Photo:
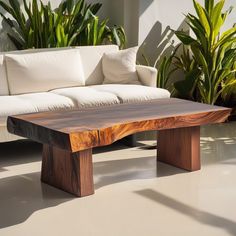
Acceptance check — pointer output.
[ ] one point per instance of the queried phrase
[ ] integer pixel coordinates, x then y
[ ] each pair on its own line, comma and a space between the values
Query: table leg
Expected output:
180, 147
71, 172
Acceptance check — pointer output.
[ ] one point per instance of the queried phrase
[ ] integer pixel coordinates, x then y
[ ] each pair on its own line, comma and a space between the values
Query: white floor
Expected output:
134, 196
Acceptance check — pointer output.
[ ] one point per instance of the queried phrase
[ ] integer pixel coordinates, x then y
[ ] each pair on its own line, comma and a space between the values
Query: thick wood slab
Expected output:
71, 172
82, 129
180, 147
69, 136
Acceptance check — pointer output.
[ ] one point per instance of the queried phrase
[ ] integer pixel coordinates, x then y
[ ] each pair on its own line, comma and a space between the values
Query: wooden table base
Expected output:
67, 162
71, 172
180, 147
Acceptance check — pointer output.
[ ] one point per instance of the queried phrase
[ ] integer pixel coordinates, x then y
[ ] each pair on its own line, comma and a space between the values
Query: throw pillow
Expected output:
120, 67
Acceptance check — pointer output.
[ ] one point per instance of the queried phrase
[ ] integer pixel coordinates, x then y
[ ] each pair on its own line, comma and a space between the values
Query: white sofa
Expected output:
19, 94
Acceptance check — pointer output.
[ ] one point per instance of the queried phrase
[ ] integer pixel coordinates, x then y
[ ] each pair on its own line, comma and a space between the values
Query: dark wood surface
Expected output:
180, 147
71, 172
78, 130
69, 136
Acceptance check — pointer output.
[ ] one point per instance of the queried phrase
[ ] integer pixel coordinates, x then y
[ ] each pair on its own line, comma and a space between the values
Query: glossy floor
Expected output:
134, 196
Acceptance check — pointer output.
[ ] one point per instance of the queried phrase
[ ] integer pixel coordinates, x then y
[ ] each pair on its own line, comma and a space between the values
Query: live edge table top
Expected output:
76, 130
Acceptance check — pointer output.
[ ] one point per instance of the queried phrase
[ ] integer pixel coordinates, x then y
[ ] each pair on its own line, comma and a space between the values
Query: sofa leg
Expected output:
130, 141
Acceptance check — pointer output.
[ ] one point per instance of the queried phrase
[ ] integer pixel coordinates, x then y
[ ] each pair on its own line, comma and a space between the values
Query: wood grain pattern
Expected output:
71, 172
69, 137
82, 129
180, 147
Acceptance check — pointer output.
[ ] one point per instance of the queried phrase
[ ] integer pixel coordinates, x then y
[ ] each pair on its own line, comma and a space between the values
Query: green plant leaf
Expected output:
227, 35
184, 38
7, 8
73, 22
187, 86
216, 18
203, 17
200, 58
212, 53
16, 42
209, 4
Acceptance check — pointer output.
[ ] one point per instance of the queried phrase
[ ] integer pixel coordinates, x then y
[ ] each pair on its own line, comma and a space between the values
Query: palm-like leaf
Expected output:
213, 53
72, 23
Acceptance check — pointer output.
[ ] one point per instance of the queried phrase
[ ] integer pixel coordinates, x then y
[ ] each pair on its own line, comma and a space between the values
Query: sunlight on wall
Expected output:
157, 17
144, 20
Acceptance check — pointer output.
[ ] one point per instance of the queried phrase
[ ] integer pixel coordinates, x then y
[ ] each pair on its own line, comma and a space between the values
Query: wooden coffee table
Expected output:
69, 136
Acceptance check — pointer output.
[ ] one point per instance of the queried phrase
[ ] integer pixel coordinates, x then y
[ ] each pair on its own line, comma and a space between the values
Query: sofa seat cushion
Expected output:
5, 136
88, 96
30, 103
132, 93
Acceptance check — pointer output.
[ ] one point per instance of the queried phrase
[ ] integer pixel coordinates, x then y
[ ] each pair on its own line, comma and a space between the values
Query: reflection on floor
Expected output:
134, 194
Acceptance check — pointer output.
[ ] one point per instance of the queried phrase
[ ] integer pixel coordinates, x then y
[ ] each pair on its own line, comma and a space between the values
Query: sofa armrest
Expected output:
147, 75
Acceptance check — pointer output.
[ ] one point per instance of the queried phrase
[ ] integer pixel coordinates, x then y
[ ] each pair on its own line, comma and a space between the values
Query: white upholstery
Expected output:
147, 75
5, 136
120, 67
47, 101
43, 71
133, 93
88, 96
3, 78
34, 102
91, 57
29, 103
58, 80
12, 105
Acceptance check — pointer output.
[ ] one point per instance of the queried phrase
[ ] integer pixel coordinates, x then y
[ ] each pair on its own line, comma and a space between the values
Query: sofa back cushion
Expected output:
120, 67
3, 78
41, 71
91, 57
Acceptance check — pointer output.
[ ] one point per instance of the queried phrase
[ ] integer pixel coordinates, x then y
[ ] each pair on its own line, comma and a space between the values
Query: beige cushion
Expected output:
5, 136
28, 103
120, 67
48, 101
13, 105
3, 78
88, 96
133, 93
91, 57
147, 75
43, 71
35, 102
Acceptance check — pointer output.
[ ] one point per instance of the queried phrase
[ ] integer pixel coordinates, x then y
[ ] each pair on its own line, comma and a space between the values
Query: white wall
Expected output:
145, 21
156, 16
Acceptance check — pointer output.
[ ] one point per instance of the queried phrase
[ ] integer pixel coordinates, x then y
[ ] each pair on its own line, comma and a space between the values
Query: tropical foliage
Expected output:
165, 68
210, 55
72, 23
187, 88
